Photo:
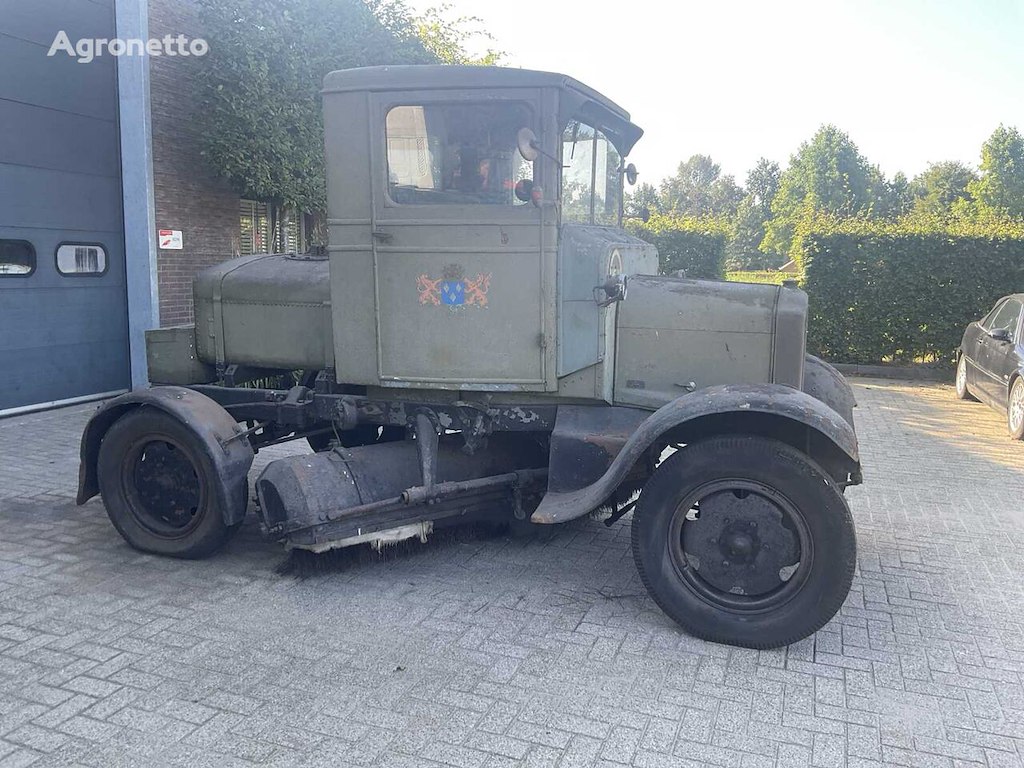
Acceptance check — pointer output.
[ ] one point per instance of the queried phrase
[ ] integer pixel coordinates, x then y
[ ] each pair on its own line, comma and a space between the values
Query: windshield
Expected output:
591, 176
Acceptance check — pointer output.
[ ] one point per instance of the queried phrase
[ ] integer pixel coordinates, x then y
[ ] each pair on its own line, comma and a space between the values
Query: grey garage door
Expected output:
63, 306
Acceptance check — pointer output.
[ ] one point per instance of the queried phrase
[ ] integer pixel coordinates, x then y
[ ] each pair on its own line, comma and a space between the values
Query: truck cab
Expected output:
467, 243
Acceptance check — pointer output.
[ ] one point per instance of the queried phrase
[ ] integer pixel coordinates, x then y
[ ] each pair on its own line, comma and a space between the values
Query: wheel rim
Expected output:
740, 546
1017, 406
961, 375
164, 489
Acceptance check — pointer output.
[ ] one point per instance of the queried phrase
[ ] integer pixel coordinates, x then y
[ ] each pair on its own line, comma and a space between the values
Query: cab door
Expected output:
463, 259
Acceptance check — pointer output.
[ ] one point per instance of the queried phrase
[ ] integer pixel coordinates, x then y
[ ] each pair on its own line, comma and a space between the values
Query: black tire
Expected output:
139, 456
1015, 410
962, 391
803, 515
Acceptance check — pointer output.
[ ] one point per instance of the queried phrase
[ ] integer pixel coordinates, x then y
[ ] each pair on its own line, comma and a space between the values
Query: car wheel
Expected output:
962, 392
744, 540
1015, 410
157, 486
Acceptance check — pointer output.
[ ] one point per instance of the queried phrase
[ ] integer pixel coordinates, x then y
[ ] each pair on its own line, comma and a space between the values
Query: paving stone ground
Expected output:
502, 652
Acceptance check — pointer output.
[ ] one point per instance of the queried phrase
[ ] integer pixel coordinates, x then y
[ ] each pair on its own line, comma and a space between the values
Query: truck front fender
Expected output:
824, 382
770, 410
217, 434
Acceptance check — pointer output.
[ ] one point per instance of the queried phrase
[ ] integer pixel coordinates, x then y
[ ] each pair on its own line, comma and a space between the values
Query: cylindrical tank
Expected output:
326, 497
266, 311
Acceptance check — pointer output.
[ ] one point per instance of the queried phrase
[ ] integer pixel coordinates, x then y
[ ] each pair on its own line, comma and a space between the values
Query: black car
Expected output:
990, 366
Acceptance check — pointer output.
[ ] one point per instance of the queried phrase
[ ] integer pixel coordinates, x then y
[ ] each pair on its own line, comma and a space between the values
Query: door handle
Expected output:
381, 236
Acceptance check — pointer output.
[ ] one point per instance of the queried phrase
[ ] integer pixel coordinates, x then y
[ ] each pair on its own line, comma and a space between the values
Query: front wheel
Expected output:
158, 486
1015, 410
744, 540
962, 392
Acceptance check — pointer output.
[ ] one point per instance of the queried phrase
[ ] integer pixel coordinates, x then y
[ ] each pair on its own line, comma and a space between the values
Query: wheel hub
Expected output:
740, 543
167, 487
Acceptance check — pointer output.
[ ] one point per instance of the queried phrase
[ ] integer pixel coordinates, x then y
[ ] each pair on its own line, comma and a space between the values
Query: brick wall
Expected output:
189, 195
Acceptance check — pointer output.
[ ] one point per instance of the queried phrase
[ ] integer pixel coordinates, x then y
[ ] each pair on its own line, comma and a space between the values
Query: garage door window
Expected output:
17, 258
81, 259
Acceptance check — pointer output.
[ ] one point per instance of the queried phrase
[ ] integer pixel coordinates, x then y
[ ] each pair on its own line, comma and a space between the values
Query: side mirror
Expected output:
631, 174
1000, 334
526, 142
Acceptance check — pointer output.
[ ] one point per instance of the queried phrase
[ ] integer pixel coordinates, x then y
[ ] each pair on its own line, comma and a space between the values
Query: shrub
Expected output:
694, 245
767, 276
904, 291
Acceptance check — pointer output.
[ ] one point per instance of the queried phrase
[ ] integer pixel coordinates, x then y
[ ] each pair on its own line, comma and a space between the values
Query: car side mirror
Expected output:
1000, 334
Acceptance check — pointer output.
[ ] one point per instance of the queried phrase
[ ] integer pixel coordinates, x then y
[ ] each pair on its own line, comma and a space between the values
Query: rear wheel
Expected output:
158, 487
962, 392
1015, 410
745, 541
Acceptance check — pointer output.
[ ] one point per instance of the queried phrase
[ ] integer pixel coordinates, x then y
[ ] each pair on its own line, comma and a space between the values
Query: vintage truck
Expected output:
482, 340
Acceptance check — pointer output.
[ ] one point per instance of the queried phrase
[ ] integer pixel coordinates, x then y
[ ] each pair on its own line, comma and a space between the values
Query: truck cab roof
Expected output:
579, 98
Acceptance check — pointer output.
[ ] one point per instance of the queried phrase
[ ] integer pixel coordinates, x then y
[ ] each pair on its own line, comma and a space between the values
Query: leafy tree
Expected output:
1000, 189
895, 198
827, 174
261, 115
940, 186
644, 196
752, 216
446, 38
699, 189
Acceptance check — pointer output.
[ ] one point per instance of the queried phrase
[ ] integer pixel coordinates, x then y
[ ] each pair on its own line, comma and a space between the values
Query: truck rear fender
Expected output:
216, 432
769, 410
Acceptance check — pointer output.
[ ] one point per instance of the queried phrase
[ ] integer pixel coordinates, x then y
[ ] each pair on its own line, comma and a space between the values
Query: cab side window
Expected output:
457, 154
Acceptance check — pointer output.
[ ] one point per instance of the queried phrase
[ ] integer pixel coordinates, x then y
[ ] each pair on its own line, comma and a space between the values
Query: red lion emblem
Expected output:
476, 290
430, 290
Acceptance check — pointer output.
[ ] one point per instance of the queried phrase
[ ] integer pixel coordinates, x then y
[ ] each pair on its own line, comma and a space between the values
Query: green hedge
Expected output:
904, 291
694, 245
767, 276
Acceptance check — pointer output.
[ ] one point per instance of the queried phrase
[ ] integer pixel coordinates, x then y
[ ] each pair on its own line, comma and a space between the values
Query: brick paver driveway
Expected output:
474, 652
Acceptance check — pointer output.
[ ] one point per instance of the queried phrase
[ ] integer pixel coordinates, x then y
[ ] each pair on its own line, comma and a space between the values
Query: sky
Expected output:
911, 81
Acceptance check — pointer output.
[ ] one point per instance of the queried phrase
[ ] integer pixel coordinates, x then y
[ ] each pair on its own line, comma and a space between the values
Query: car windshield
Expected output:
591, 176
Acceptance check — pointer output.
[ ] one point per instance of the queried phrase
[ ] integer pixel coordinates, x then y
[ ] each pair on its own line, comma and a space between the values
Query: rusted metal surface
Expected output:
216, 433
337, 494
302, 409
585, 441
739, 402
